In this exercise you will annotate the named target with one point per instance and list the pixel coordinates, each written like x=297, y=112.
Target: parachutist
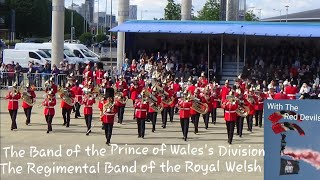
x=283, y=143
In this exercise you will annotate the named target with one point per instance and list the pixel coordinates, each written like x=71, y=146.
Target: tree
x=210, y=11
x=172, y=11
x=86, y=38
x=250, y=16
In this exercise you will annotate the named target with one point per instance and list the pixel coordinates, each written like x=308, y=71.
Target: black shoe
x=171, y=120
x=240, y=136
x=195, y=132
x=142, y=137
x=27, y=123
x=185, y=139
x=214, y=122
x=139, y=136
x=47, y=131
x=64, y=124
x=79, y=116
x=148, y=120
x=256, y=124
x=11, y=129
x=76, y=117
x=67, y=125
x=153, y=130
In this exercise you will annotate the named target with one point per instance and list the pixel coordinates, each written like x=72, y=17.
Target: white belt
x=13, y=100
x=216, y=99
x=49, y=106
x=260, y=102
x=109, y=114
x=291, y=95
x=141, y=110
x=230, y=111
x=78, y=95
x=88, y=106
x=99, y=78
x=185, y=108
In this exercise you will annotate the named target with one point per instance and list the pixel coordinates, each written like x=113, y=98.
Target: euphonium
x=198, y=106
x=26, y=97
x=120, y=97
x=152, y=100
x=107, y=107
x=242, y=110
x=65, y=96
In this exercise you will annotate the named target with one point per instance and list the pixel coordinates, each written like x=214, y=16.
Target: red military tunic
x=259, y=103
x=185, y=107
x=49, y=107
x=54, y=89
x=77, y=91
x=99, y=76
x=215, y=99
x=122, y=85
x=203, y=82
x=141, y=109
x=207, y=100
x=291, y=92
x=33, y=95
x=13, y=100
x=64, y=104
x=230, y=113
x=191, y=89
x=224, y=92
x=279, y=96
x=250, y=106
x=135, y=90
x=108, y=116
x=141, y=83
x=88, y=102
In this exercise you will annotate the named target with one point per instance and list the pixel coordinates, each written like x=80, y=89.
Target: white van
x=47, y=48
x=83, y=52
x=23, y=57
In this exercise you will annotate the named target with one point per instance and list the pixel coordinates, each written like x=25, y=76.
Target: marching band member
x=135, y=90
x=280, y=95
x=88, y=101
x=225, y=90
x=152, y=113
x=177, y=90
x=230, y=106
x=99, y=73
x=250, y=101
x=241, y=101
x=141, y=108
x=28, y=100
x=270, y=94
x=67, y=104
x=77, y=91
x=49, y=111
x=291, y=91
x=13, y=96
x=215, y=102
x=195, y=116
x=203, y=81
x=122, y=89
x=258, y=107
x=184, y=105
x=50, y=85
x=206, y=98
x=107, y=112
x=192, y=87
x=87, y=73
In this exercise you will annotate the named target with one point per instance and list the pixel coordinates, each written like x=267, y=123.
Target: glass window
x=34, y=55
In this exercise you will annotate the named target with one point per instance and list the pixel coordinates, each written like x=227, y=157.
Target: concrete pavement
x=206, y=155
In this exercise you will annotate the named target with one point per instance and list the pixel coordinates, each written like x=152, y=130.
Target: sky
x=155, y=8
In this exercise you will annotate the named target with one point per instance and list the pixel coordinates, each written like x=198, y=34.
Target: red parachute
x=276, y=116
x=285, y=126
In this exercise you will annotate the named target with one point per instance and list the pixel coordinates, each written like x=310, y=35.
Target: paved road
x=196, y=150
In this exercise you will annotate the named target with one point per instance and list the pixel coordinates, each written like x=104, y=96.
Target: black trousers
x=230, y=130
x=134, y=110
x=49, y=122
x=120, y=114
x=77, y=108
x=108, y=131
x=153, y=118
x=184, y=127
x=195, y=119
x=141, y=122
x=27, y=112
x=258, y=117
x=66, y=116
x=239, y=124
x=171, y=113
x=250, y=122
x=214, y=115
x=13, y=115
x=206, y=119
x=164, y=116
x=88, y=118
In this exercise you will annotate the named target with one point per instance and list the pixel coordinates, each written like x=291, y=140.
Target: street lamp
x=142, y=12
x=279, y=10
x=287, y=7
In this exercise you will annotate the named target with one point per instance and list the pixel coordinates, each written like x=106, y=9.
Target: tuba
x=153, y=101
x=27, y=98
x=198, y=106
x=119, y=96
x=242, y=110
x=65, y=96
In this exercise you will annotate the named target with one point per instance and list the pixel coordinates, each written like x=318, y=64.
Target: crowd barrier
x=7, y=79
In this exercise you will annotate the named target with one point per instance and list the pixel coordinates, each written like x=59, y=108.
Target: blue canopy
x=222, y=27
